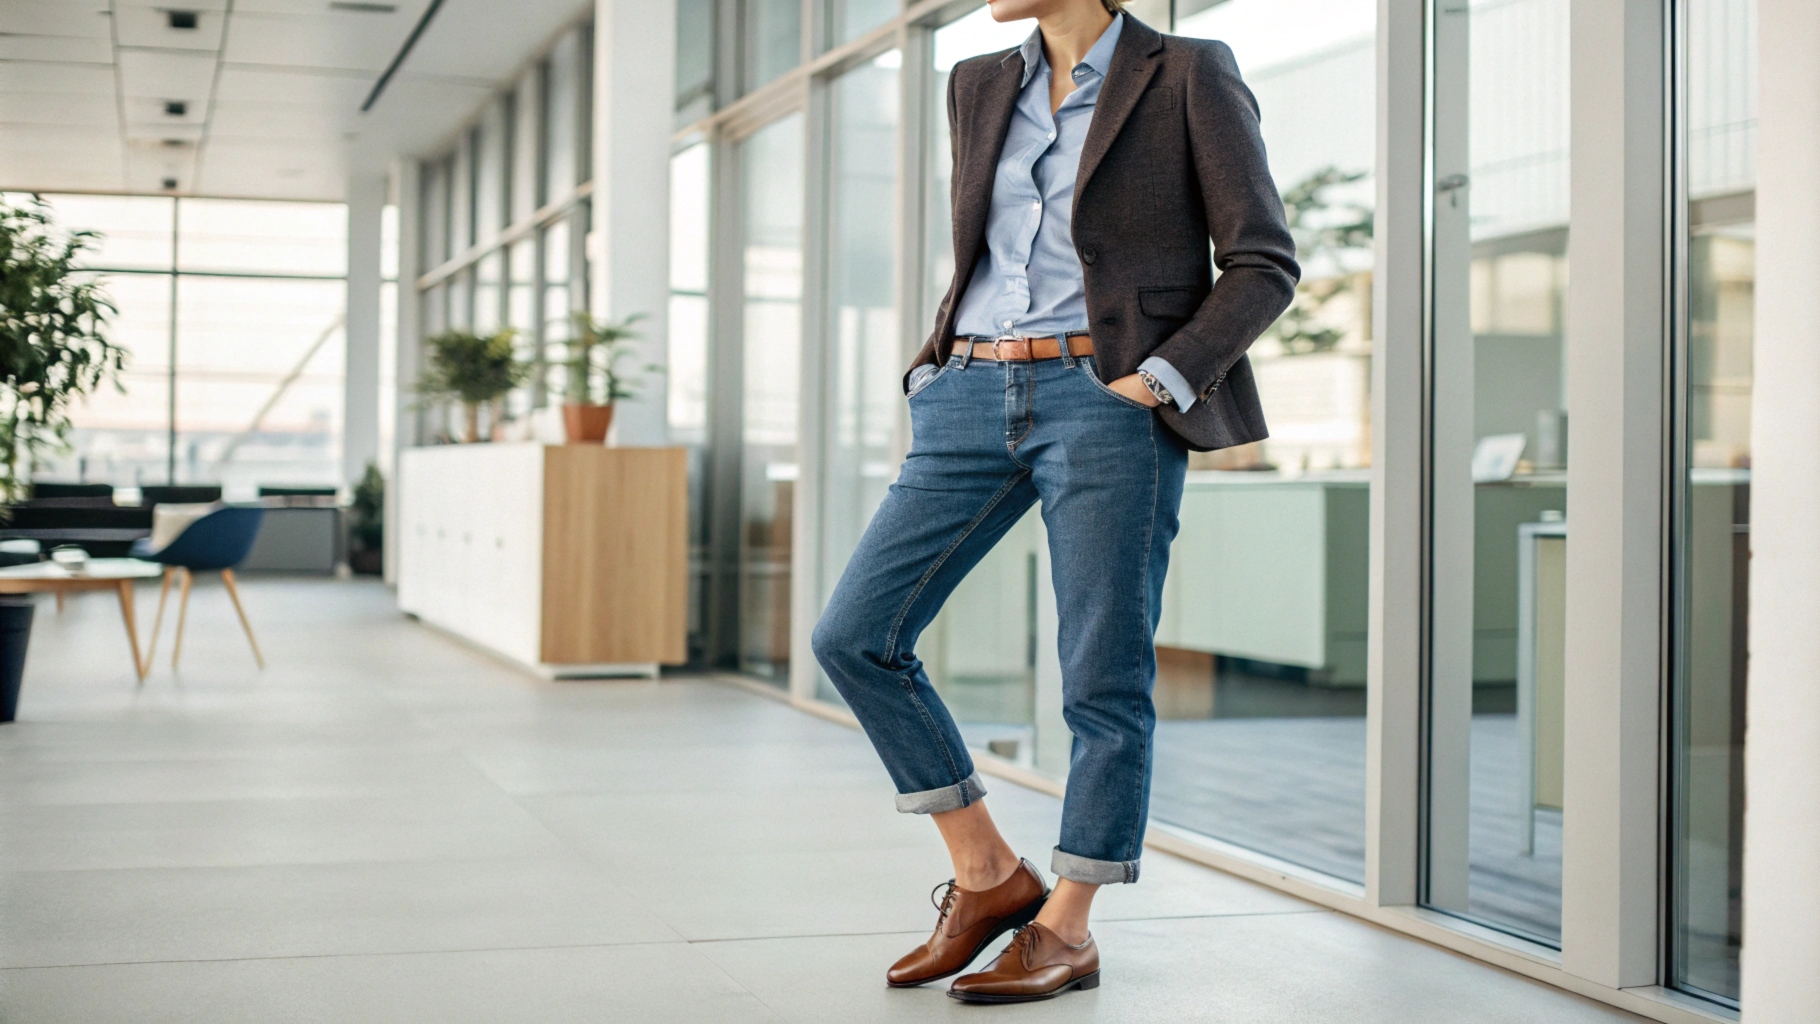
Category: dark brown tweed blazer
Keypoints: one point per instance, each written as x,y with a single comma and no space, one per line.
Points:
1173,157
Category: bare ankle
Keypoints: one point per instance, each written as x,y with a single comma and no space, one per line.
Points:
986,871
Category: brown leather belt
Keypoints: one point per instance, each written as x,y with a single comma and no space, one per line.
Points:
1027,349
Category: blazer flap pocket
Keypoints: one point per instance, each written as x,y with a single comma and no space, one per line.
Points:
1176,303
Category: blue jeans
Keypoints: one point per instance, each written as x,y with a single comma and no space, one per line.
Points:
991,439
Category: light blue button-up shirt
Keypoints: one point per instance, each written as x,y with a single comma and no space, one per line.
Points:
1028,282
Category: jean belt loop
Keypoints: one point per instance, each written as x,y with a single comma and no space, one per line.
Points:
966,344
1067,355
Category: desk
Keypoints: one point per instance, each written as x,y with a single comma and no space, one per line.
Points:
116,574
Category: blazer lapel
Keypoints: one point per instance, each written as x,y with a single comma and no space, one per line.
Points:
984,121
1132,69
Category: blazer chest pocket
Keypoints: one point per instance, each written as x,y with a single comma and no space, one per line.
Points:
1169,303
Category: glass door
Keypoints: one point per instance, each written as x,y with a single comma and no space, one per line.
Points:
771,194
1498,470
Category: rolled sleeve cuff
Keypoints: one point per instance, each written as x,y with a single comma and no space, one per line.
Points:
948,798
1088,871
1160,368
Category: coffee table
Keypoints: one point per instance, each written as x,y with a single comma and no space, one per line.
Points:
116,574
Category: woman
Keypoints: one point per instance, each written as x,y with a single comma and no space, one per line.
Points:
1083,349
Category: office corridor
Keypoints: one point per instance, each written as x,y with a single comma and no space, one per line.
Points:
387,826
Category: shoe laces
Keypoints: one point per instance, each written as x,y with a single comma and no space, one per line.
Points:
945,902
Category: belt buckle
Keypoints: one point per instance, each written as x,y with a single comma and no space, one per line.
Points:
995,344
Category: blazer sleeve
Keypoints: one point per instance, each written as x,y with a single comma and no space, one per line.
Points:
930,351
1252,247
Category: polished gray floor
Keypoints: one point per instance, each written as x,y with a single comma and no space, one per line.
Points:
386,826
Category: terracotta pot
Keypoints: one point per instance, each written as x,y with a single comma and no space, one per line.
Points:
586,424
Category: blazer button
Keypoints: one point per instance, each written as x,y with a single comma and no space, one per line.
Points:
1088,254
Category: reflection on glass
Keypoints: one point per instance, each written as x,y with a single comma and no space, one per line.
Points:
1499,476
771,169
1707,716
134,232
854,18
565,156
238,236
774,39
864,358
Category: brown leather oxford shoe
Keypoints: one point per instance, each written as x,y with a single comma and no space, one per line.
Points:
968,923
1037,965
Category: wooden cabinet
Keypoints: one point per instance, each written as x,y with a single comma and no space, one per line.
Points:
569,559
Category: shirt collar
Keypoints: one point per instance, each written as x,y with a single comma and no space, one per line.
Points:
1099,57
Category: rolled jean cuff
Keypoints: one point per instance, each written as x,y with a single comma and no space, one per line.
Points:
948,798
1092,872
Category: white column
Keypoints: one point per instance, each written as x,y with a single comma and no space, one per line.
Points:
629,239
405,179
1393,705
360,387
1781,957
1616,335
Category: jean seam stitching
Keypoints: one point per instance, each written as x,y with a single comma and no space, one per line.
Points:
1156,472
897,624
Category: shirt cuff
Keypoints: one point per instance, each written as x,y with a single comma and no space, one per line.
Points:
1158,367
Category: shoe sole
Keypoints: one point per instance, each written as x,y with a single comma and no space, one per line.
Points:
1009,924
1084,982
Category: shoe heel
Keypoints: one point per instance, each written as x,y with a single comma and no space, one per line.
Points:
1088,981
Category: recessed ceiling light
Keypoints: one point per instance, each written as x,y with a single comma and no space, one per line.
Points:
176,108
357,7
182,19
170,184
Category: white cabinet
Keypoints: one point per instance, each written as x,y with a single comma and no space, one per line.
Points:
521,549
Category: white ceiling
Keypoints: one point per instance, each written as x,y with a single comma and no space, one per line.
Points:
270,89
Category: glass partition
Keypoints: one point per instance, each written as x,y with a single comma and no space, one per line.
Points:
1499,473
687,379
771,190
1706,762
850,19
864,358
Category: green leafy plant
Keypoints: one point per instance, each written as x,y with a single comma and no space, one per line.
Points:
366,512
53,338
465,367
598,350
1325,233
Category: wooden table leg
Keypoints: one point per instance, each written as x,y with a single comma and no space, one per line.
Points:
132,628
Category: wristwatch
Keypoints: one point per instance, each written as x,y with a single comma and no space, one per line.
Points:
1156,387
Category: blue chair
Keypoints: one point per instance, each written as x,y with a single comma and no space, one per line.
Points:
216,542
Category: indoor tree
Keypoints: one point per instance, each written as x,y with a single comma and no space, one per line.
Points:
53,337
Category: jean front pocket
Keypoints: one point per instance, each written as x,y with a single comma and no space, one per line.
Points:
1086,368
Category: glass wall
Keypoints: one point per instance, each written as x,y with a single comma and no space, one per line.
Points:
1498,477
232,312
771,191
1260,688
1706,760
864,360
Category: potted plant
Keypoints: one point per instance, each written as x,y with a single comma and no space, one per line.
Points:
597,377
366,524
53,350
472,370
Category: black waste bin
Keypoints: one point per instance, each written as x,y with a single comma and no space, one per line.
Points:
15,635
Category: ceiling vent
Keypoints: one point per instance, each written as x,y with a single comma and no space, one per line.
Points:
176,108
170,184
183,20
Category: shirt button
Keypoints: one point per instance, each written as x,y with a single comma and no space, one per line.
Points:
1036,205
1051,136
